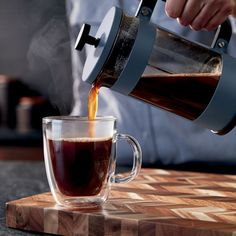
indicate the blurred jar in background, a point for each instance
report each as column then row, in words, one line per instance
column 30, row 111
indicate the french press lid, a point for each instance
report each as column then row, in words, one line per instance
column 111, row 34
column 102, row 42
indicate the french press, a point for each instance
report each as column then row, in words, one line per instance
column 137, row 58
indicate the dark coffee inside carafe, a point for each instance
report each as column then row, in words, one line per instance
column 186, row 95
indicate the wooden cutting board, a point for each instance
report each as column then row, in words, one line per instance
column 158, row 202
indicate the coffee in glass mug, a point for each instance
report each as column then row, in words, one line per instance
column 81, row 167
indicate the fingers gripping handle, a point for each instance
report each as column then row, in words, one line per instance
column 222, row 36
column 137, row 159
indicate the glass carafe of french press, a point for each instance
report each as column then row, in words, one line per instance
column 137, row 58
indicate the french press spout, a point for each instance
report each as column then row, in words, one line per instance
column 133, row 56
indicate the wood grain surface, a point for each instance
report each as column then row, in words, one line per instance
column 158, row 202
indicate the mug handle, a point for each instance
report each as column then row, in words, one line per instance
column 137, row 159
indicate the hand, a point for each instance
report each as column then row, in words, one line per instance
column 200, row 14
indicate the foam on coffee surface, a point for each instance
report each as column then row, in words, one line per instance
column 84, row 139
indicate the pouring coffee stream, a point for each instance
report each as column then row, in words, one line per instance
column 93, row 102
column 134, row 57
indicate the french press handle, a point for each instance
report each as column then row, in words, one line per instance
column 222, row 36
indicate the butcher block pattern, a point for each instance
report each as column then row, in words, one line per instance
column 158, row 202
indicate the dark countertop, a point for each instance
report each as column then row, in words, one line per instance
column 19, row 179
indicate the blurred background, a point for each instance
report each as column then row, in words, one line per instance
column 34, row 62
column 35, row 81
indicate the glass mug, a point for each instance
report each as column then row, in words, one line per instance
column 80, row 158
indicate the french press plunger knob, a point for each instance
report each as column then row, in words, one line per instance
column 84, row 38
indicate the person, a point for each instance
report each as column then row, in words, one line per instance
column 164, row 137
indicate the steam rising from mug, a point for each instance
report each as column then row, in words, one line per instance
column 49, row 53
